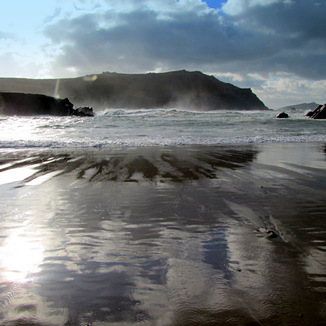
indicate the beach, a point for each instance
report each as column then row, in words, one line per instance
column 164, row 235
column 163, row 163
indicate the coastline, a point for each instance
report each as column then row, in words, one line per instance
column 172, row 235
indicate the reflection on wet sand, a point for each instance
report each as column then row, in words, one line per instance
column 173, row 163
column 163, row 236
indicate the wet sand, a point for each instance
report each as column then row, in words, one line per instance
column 207, row 235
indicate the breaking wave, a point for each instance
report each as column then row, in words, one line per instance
column 159, row 127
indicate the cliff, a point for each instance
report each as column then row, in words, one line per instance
column 178, row 89
column 39, row 104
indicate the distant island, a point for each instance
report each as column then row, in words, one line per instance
column 301, row 106
column 177, row 89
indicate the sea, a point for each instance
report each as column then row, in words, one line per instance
column 159, row 127
column 163, row 217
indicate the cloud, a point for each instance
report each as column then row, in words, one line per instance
column 136, row 41
column 12, row 64
column 294, row 29
column 5, row 36
column 252, row 36
column 237, row 7
column 181, row 36
column 53, row 16
column 293, row 89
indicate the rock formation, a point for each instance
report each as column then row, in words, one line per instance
column 318, row 113
column 36, row 104
column 282, row 115
column 178, row 89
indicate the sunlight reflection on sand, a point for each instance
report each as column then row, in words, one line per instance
column 21, row 254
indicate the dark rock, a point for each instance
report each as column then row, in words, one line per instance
column 271, row 234
column 282, row 115
column 37, row 104
column 318, row 113
column 309, row 114
column 85, row 111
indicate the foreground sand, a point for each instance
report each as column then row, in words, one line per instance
column 164, row 236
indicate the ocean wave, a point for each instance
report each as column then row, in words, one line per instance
column 129, row 112
column 163, row 127
column 147, row 142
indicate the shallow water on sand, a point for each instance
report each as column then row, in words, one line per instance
column 213, row 235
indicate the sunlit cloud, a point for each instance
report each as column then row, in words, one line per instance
column 296, row 90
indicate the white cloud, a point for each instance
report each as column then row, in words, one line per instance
column 293, row 89
column 231, row 77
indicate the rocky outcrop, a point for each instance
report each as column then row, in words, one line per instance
column 37, row 104
column 84, row 111
column 282, row 115
column 318, row 113
column 178, row 89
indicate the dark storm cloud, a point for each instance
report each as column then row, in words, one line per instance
column 282, row 36
column 296, row 30
column 299, row 19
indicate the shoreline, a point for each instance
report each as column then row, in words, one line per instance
column 164, row 163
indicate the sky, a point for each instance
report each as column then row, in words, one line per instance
column 275, row 47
